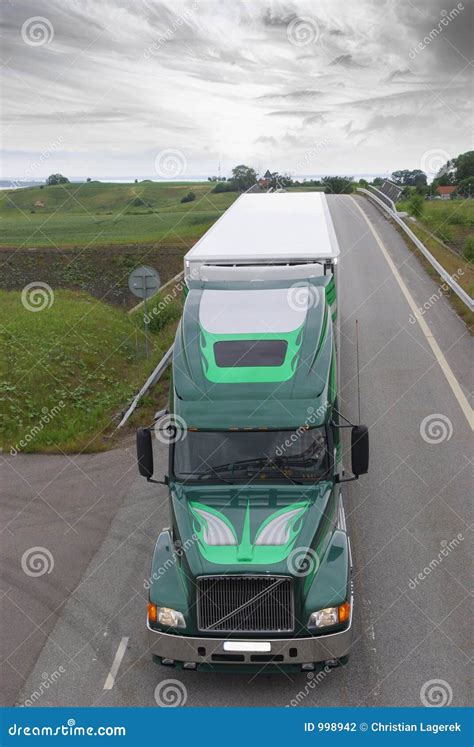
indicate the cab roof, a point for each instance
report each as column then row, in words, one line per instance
column 248, row 357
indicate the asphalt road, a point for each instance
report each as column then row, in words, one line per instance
column 66, row 628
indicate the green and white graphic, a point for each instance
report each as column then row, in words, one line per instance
column 219, row 541
column 237, row 316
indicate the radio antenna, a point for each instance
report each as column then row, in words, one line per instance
column 358, row 368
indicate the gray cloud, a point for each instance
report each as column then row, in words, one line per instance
column 220, row 80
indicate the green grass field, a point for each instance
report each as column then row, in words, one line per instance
column 452, row 221
column 68, row 370
column 96, row 214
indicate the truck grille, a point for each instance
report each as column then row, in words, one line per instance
column 251, row 604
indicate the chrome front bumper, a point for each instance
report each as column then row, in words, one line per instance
column 180, row 648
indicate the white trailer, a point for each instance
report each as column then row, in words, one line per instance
column 276, row 236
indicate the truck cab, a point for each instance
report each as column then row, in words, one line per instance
column 256, row 566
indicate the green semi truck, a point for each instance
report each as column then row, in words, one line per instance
column 255, row 569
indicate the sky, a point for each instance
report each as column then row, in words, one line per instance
column 168, row 89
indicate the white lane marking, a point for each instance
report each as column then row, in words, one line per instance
column 445, row 367
column 110, row 681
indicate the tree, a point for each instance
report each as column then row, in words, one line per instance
column 466, row 187
column 224, row 187
column 243, row 177
column 416, row 205
column 88, row 179
column 363, row 183
column 464, row 165
column 56, row 179
column 407, row 178
column 189, row 197
column 338, row 185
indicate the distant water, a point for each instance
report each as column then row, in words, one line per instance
column 15, row 184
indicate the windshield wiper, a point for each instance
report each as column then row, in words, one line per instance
column 263, row 461
column 271, row 463
column 209, row 471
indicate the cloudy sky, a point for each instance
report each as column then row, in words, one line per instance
column 150, row 88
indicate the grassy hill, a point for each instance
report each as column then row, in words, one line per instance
column 67, row 371
column 96, row 214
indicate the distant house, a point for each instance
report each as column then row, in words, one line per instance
column 266, row 180
column 445, row 192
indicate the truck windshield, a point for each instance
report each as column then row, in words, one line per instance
column 227, row 455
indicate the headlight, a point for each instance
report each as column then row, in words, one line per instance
column 330, row 616
column 165, row 616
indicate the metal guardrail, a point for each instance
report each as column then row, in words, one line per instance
column 444, row 274
column 162, row 365
column 385, row 198
column 152, row 379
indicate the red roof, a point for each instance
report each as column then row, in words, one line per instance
column 445, row 190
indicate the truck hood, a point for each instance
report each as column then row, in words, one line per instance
column 235, row 529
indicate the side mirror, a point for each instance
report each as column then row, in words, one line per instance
column 145, row 453
column 360, row 450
